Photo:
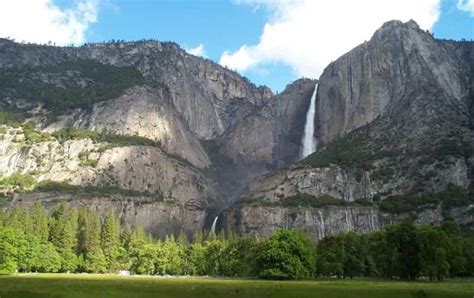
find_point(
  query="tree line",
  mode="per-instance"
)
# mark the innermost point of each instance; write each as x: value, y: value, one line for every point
x: 77, y: 240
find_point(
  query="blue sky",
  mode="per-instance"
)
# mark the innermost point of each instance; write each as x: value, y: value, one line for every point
x: 272, y: 42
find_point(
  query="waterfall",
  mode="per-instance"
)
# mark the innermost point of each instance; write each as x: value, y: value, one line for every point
x: 322, y: 228
x: 213, y: 227
x: 308, y: 141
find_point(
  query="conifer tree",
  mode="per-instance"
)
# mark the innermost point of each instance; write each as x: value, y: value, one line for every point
x: 62, y: 235
x: 110, y: 241
x: 94, y: 256
x: 40, y: 222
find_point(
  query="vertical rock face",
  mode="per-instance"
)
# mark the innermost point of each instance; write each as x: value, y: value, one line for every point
x: 209, y: 130
x: 395, y: 135
x: 317, y: 222
x: 377, y: 75
x: 273, y: 133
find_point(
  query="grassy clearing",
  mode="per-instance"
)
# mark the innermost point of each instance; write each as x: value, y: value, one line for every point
x: 62, y: 285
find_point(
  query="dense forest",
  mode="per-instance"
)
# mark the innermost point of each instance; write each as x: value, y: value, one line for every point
x: 72, y: 240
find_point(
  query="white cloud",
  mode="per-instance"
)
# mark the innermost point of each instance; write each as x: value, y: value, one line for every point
x: 309, y: 34
x: 467, y: 6
x: 198, y: 51
x: 42, y: 21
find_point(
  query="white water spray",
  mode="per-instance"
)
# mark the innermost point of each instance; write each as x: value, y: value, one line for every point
x: 213, y: 227
x: 309, y: 143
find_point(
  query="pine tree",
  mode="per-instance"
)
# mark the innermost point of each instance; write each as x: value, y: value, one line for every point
x: 110, y: 241
x: 94, y: 256
x: 49, y: 259
x: 62, y: 235
x: 19, y: 218
x: 40, y: 221
x: 81, y: 231
x: 73, y: 218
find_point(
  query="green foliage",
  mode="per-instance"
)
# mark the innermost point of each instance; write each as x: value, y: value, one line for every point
x: 453, y: 197
x: 347, y: 151
x: 93, y: 191
x: 49, y: 259
x: 40, y: 221
x: 18, y: 182
x: 303, y: 199
x: 110, y: 241
x: 62, y: 236
x: 105, y: 82
x: 33, y: 136
x: 11, y: 117
x: 94, y: 256
x: 77, y: 241
x: 116, y: 140
x: 287, y: 254
x: 8, y: 250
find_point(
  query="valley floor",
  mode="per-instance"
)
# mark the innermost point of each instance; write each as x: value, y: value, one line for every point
x: 87, y: 285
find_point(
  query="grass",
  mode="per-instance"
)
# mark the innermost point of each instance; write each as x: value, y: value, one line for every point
x: 62, y: 285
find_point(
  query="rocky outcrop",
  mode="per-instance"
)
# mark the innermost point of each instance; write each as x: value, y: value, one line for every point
x: 378, y: 75
x: 213, y: 130
x: 262, y: 221
x: 273, y: 133
x: 393, y: 122
x: 85, y: 163
x: 156, y: 218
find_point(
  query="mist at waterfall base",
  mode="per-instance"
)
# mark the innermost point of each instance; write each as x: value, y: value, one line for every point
x: 308, y: 141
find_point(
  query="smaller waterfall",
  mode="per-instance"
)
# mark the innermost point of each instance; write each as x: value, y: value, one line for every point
x: 309, y: 143
x: 322, y: 233
x: 213, y: 227
x: 349, y: 226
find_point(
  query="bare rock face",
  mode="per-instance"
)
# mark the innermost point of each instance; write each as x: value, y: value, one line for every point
x: 377, y: 75
x: 262, y: 221
x: 156, y: 218
x: 212, y: 130
x: 394, y: 124
x: 146, y: 112
x: 143, y: 169
x: 273, y: 133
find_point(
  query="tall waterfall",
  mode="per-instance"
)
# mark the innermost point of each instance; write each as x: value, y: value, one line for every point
x: 308, y: 141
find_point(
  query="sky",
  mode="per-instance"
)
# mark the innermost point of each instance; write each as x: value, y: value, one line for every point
x: 272, y: 42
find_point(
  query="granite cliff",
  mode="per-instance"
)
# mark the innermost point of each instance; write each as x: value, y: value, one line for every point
x: 138, y: 126
x: 395, y: 135
x: 168, y: 140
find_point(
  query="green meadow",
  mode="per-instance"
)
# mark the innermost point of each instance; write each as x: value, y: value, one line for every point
x: 90, y: 285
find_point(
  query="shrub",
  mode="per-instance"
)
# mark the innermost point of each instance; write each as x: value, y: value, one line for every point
x: 18, y: 182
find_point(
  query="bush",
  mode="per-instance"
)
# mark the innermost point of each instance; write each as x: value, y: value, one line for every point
x: 18, y: 182
x: 11, y: 117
